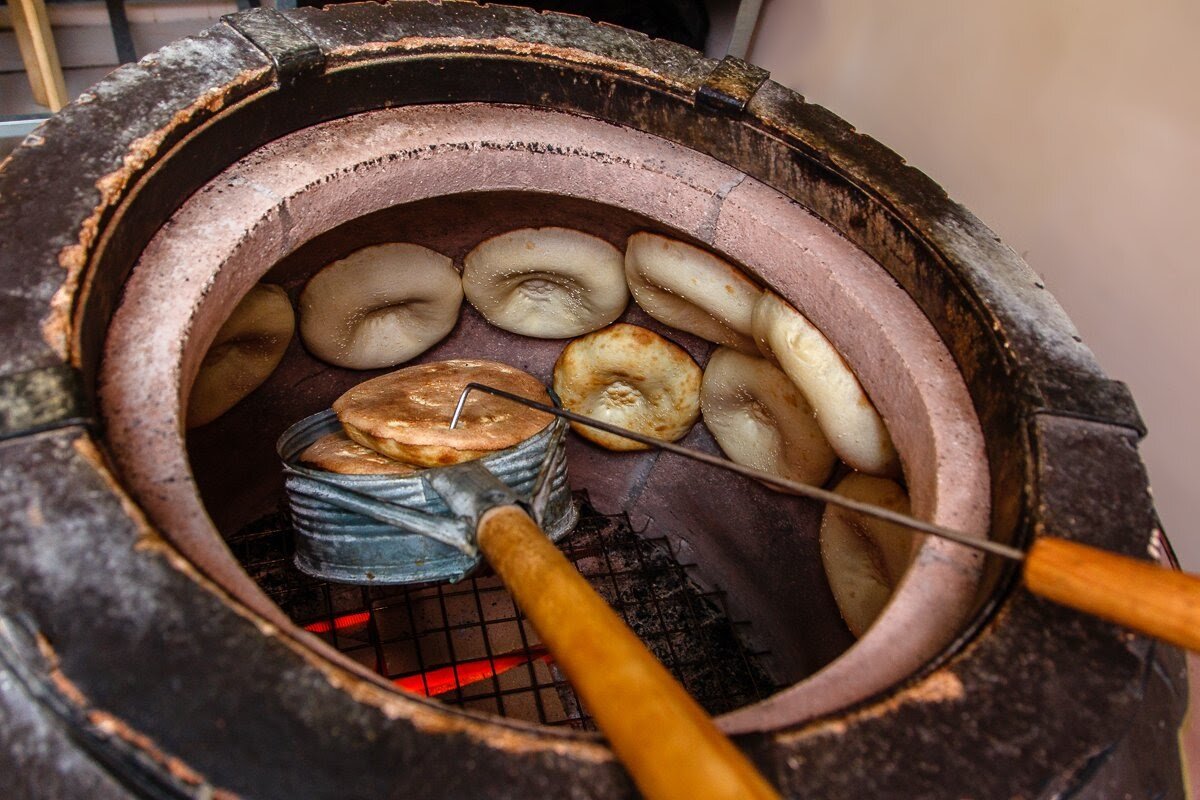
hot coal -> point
(402, 632)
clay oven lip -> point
(101, 177)
(261, 209)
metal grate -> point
(469, 645)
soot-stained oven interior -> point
(448, 177)
(732, 632)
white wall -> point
(1072, 128)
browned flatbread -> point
(406, 414)
(337, 452)
(629, 376)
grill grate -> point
(469, 645)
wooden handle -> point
(36, 43)
(666, 741)
(1153, 600)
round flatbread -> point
(845, 413)
(405, 414)
(380, 306)
(337, 452)
(864, 557)
(760, 419)
(691, 289)
(246, 350)
(551, 283)
(629, 376)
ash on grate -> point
(685, 627)
(468, 644)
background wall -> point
(1072, 128)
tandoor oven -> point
(156, 636)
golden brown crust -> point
(405, 414)
(629, 376)
(337, 452)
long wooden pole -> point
(1139, 595)
(668, 743)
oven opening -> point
(465, 643)
(721, 577)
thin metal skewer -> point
(795, 487)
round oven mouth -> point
(265, 209)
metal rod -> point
(795, 487)
(122, 36)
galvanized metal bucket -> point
(386, 529)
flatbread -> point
(337, 452)
(405, 414)
(629, 376)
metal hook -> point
(795, 487)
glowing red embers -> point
(339, 623)
(445, 679)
